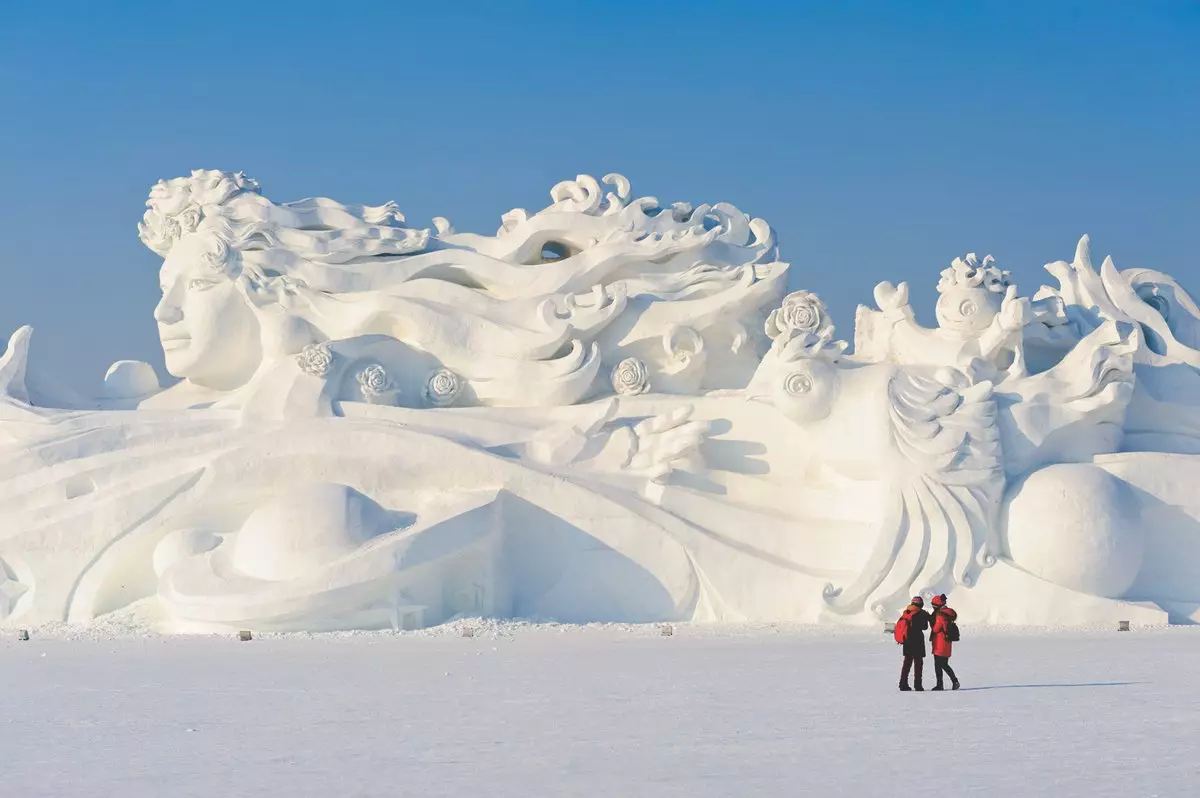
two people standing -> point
(943, 632)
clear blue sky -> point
(880, 140)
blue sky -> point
(880, 140)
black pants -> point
(942, 665)
(916, 664)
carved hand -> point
(666, 442)
(1015, 311)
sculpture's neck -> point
(188, 394)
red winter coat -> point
(940, 642)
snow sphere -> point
(1077, 526)
(129, 379)
(304, 529)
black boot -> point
(904, 688)
(955, 685)
(936, 688)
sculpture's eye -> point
(967, 308)
(555, 250)
(798, 383)
(200, 285)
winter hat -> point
(918, 601)
(939, 601)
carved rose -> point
(189, 219)
(315, 359)
(631, 377)
(374, 382)
(801, 310)
(442, 388)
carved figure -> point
(609, 410)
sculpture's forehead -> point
(184, 258)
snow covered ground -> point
(605, 711)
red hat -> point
(918, 601)
(939, 601)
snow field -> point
(617, 711)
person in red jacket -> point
(914, 621)
(939, 639)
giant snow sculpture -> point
(609, 410)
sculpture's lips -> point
(177, 342)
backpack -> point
(951, 631)
(900, 631)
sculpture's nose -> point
(167, 312)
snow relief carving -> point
(611, 409)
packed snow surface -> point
(523, 710)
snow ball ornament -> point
(128, 379)
(631, 377)
(1098, 546)
(303, 529)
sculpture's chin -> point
(186, 364)
(176, 360)
(215, 373)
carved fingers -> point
(1015, 311)
(667, 442)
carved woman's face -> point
(208, 330)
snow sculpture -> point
(609, 410)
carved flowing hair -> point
(1168, 317)
(939, 529)
(526, 313)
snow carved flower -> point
(374, 383)
(189, 219)
(442, 388)
(801, 310)
(631, 377)
(316, 359)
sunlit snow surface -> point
(616, 711)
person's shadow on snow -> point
(1067, 684)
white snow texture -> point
(609, 411)
(598, 711)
